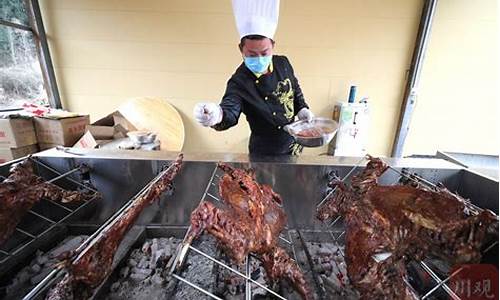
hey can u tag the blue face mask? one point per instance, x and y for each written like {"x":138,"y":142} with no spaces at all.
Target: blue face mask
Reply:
{"x":258,"y":64}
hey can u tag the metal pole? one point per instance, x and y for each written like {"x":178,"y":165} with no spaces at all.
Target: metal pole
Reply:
{"x":64,"y":175}
{"x":15,"y":25}
{"x":44,"y":54}
{"x":412,"y":84}
{"x":248,"y":287}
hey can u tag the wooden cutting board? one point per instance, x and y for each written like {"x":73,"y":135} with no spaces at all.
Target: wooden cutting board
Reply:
{"x":158,"y":116}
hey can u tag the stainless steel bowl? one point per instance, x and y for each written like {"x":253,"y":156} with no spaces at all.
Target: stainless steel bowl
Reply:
{"x":325,"y":129}
{"x":141,"y":136}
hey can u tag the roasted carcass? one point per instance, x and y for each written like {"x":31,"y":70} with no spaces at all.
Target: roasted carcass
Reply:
{"x":249,"y":222}
{"x":93,"y":265}
{"x":21,"y":190}
{"x":388,"y":226}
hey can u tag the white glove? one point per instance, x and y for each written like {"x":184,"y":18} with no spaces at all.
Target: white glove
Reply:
{"x":305,"y":114}
{"x":207,"y":114}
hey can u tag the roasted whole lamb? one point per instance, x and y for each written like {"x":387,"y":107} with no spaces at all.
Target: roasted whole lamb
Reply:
{"x":91,"y":267}
{"x":250,"y":221}
{"x":21,"y":191}
{"x":389,"y":226}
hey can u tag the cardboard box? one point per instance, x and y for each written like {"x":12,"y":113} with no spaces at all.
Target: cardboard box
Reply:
{"x":87,"y":141}
{"x":101,"y":132}
{"x":113,"y":119}
{"x":113,"y":126}
{"x":62,"y":131}
{"x":17,"y":132}
{"x":43,"y":146}
{"x":8,"y":154}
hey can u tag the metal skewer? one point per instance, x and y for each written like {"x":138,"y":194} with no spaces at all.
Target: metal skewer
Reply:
{"x":420,"y":181}
{"x":186,"y":246}
{"x":92,"y":239}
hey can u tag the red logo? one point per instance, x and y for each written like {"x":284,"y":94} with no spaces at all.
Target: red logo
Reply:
{"x":475,"y":282}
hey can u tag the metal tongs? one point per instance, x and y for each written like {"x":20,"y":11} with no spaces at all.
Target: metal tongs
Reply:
{"x":68,"y":150}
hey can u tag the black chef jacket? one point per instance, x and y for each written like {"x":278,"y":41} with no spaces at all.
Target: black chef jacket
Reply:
{"x":269,"y":102}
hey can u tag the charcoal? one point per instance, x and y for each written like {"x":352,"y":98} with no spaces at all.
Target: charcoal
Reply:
{"x":36,"y":279}
{"x":41,"y":265}
{"x":124,"y":271}
{"x":146,"y":247}
{"x":157,"y":279}
{"x":23,"y":276}
{"x":115,"y":287}
{"x":40,"y":258}
{"x":142,"y":271}
{"x":137,"y":277}
{"x":132,"y":262}
{"x":67,"y":245}
{"x":329,"y":264}
{"x":198,"y":270}
{"x":149,"y":283}
{"x":35,"y":268}
{"x":143,"y":263}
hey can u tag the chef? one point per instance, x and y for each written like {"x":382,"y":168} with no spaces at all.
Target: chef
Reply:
{"x":263,"y":87}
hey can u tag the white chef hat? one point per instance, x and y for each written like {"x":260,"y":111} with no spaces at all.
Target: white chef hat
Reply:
{"x":256,"y":17}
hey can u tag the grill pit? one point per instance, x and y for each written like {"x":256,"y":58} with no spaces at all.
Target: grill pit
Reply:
{"x":40,"y":267}
{"x":119,"y":178}
{"x":144,"y":275}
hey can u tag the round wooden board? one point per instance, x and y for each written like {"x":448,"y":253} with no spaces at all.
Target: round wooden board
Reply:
{"x":158,"y":116}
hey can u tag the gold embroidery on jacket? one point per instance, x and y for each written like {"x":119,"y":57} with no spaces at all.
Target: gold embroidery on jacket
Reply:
{"x":284,"y":93}
{"x":296,"y":149}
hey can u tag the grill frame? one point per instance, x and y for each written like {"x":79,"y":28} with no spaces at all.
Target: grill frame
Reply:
{"x":21,"y":249}
{"x":123,"y":173}
{"x":183,"y":252}
{"x":405,"y":174}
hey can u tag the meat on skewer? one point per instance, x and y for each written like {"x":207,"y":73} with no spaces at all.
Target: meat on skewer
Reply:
{"x":92,"y":267}
{"x":21,"y":190}
{"x":388,"y":226}
{"x":250,"y":222}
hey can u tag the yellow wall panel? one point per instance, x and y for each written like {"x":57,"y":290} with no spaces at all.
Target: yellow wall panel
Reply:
{"x":352,"y":8}
{"x":457,"y":107}
{"x":171,"y":57}
{"x":145,"y":83}
{"x":106,"y":51}
{"x":141,"y":6}
{"x":185,"y":27}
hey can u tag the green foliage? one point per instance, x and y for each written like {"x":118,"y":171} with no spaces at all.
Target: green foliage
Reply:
{"x":20,"y":76}
{"x":16,"y":46}
{"x":13,"y":11}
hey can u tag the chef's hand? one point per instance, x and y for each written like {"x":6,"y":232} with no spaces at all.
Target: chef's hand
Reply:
{"x":305,"y":114}
{"x":207,"y":114}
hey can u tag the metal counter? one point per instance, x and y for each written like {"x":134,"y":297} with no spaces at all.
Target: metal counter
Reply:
{"x":300,"y":180}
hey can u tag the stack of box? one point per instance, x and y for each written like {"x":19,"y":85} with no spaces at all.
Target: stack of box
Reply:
{"x":104,"y":131}
{"x":17,"y":137}
{"x":60,"y":130}
{"x":22,"y":134}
